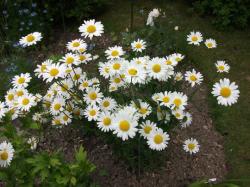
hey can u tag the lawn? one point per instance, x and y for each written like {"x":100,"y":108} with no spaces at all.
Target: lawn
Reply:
{"x":233,"y":46}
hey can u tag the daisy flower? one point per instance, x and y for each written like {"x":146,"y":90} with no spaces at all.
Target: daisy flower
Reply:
{"x":30,"y":39}
{"x":21,"y":81}
{"x":193,"y":77}
{"x":93,"y":96}
{"x":222,"y":66}
{"x":104,"y":121}
{"x":54,"y":71}
{"x":179,"y":100}
{"x":187,"y":120}
{"x":10,"y":97}
{"x":227,"y":93}
{"x":157,"y":69}
{"x":32,"y":142}
{"x":114,"y":52}
{"x":125,"y":124}
{"x":76,"y":45}
{"x":170,"y":61}
{"x":104,"y":69}
{"x":191,"y":146}
{"x":41,"y":69}
{"x":165,"y":98}
{"x":146,"y":128}
{"x":26,"y":101}
{"x":144,"y":109}
{"x":117,"y":66}
{"x":179,"y":114}
{"x":6,"y":153}
{"x":134,"y":73}
{"x":84,"y":58}
{"x":158,"y":140}
{"x":178,"y":76}
{"x":108,"y":104}
{"x":177,"y":57}
{"x":194,"y":38}
{"x":57,"y":106}
{"x":70,"y":59}
{"x":91,"y":28}
{"x":66,"y":118}
{"x":85,"y":84}
{"x":138,"y":46}
{"x":3,"y":110}
{"x":92,"y":112}
{"x":56,"y":121}
{"x":210,"y":43}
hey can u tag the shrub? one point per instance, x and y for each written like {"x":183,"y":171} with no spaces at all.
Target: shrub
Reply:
{"x":226,"y":13}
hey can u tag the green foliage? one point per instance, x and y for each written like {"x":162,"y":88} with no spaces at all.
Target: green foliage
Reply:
{"x":226,"y":12}
{"x":30,"y":168}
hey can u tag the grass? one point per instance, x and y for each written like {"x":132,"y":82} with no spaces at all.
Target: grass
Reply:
{"x":233,"y":46}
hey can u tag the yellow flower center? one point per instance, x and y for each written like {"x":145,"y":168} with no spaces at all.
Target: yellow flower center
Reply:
{"x":82,"y":57}
{"x":124,"y":125}
{"x":114,"y":53}
{"x":57,"y":122}
{"x":143,"y":110}
{"x":19,"y":93}
{"x":225,"y":92}
{"x":76,"y":44}
{"x":85,"y":84}
{"x":76,"y":76}
{"x":92,"y":112}
{"x":4,"y":155}
{"x":165,"y":99}
{"x":138,"y":46}
{"x":43,"y":68}
{"x":168,"y":62}
{"x":221,"y":68}
{"x":191,"y":146}
{"x":116,"y":66}
{"x":30,"y":38}
{"x":106,"y":121}
{"x":57,"y":106}
{"x":156,"y":68}
{"x":193,"y":78}
{"x":81,"y":50}
{"x":65,"y":118}
{"x":106,"y":104}
{"x":132,"y":72}
{"x":177,"y":102}
{"x":209,"y":45}
{"x":54,"y":72}
{"x":147,"y":129}
{"x":117,"y":80}
{"x":158,"y":139}
{"x":194,"y":38}
{"x":106,"y":70}
{"x":10,"y":97}
{"x":70,"y":60}
{"x":25,"y":101}
{"x":178,"y":59}
{"x":92,"y":96}
{"x":177,"y":115}
{"x":138,"y":62}
{"x":91,"y":28}
{"x":21,"y":80}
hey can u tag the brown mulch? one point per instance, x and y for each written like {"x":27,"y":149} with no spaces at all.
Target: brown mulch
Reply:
{"x":180,"y":169}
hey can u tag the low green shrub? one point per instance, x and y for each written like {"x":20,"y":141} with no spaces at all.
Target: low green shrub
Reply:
{"x":226,"y":13}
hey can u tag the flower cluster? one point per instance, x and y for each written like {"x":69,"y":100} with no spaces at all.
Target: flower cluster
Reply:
{"x":73,"y":94}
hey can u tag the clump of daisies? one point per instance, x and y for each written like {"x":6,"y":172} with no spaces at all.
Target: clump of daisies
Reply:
{"x":150,"y":102}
